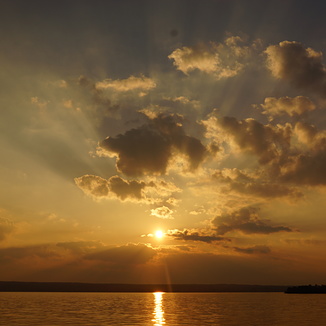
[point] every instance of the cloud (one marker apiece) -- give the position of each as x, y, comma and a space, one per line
131, 254
124, 188
80, 247
302, 67
253, 250
149, 148
136, 263
187, 59
223, 60
82, 261
90, 250
306, 133
286, 105
240, 182
100, 100
245, 220
307, 166
187, 235
113, 187
128, 84
310, 242
41, 104
49, 253
162, 212
268, 142
151, 191
294, 155
186, 101
6, 227
289, 155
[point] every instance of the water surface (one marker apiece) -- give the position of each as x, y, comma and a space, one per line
169, 309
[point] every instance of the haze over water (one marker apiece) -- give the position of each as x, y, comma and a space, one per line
170, 309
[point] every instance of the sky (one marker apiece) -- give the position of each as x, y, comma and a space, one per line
163, 141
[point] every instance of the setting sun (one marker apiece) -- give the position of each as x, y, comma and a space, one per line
159, 234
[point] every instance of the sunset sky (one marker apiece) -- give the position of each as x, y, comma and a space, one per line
202, 120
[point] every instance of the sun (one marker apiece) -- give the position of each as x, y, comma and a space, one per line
159, 234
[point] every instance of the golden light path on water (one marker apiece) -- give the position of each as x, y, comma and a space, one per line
158, 309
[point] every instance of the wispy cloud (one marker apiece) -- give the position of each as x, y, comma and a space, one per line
128, 84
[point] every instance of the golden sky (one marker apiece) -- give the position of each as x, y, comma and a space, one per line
163, 141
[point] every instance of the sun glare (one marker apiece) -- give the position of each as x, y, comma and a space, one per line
158, 310
159, 234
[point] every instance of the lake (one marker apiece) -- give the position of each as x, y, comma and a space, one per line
169, 309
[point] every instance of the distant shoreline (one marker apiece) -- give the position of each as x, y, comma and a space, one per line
13, 286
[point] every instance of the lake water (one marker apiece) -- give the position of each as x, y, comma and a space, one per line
168, 309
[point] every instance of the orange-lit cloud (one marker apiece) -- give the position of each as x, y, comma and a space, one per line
287, 105
117, 186
223, 60
133, 190
162, 212
124, 85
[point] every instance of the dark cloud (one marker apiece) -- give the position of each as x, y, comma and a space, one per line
238, 181
294, 155
268, 142
124, 189
302, 67
253, 250
245, 220
307, 167
187, 235
130, 254
149, 148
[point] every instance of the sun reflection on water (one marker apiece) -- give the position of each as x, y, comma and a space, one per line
158, 309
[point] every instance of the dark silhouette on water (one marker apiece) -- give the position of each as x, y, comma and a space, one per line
105, 287
308, 289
